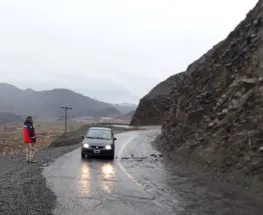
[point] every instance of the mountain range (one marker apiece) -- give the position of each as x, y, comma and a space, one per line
47, 103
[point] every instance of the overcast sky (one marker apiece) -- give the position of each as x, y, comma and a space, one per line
109, 45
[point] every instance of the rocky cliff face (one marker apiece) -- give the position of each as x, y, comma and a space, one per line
153, 107
215, 114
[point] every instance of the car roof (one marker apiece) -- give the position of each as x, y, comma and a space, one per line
100, 128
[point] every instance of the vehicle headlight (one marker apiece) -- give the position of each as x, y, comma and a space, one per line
108, 147
85, 145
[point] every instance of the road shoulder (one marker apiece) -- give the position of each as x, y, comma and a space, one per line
23, 188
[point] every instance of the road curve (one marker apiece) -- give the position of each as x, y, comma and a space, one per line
140, 181
99, 186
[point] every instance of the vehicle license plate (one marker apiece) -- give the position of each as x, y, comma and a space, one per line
96, 151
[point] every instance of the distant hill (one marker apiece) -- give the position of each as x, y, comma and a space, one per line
125, 107
109, 112
7, 118
46, 104
127, 116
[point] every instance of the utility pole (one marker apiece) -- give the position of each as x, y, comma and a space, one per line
66, 116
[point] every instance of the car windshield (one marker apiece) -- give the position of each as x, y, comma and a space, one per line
99, 134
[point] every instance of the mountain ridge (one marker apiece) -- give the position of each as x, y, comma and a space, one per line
47, 103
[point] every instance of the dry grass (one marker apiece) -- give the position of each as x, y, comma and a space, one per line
11, 135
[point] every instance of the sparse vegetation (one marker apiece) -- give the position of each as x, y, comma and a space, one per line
49, 134
11, 135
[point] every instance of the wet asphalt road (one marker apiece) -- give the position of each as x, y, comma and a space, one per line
99, 186
138, 181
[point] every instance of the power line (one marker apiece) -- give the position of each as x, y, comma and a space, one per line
66, 115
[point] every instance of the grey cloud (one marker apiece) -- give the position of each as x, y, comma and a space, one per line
118, 45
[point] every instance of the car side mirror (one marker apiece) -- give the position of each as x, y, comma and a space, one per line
114, 138
82, 137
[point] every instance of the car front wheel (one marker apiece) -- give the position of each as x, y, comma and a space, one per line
112, 156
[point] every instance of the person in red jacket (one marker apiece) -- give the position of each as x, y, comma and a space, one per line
30, 140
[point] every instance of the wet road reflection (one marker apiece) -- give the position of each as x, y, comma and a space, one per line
108, 174
84, 178
107, 170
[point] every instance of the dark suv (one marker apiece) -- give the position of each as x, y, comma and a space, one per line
98, 141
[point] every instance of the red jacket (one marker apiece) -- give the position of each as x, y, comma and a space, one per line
29, 132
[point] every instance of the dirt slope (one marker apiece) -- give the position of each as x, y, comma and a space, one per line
214, 115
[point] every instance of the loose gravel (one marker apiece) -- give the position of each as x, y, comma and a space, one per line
23, 189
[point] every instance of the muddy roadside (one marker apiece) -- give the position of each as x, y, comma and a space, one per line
23, 189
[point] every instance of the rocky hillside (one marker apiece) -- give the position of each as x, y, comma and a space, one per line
215, 113
153, 107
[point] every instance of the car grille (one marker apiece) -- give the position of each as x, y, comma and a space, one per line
97, 147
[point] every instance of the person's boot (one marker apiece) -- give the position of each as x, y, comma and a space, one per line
32, 161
